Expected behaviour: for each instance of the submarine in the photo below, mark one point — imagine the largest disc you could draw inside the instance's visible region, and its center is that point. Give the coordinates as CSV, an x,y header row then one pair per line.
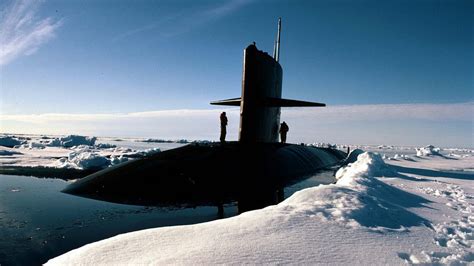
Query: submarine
x,y
252,171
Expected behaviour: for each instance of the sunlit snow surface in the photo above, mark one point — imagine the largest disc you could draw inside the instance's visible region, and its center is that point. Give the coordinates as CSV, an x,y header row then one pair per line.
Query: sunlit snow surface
x,y
389,208
73,152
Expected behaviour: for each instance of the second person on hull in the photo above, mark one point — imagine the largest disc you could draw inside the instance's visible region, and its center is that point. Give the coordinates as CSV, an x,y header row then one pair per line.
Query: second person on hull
x,y
283,131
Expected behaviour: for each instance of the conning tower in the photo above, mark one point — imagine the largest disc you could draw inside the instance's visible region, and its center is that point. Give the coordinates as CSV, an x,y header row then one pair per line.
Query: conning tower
x,y
261,101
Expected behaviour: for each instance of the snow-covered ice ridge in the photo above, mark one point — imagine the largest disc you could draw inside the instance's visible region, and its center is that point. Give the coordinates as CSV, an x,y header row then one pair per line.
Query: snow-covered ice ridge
x,y
65,152
376,213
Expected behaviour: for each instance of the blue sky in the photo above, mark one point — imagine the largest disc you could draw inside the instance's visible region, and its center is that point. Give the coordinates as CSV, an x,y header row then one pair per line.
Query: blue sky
x,y
108,57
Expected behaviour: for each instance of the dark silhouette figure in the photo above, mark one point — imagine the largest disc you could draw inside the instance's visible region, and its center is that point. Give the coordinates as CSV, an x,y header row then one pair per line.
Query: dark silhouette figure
x,y
223,127
283,131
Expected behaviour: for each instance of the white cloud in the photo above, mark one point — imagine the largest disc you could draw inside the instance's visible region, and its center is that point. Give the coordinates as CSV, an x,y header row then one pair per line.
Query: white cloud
x,y
405,124
22,32
186,20
431,112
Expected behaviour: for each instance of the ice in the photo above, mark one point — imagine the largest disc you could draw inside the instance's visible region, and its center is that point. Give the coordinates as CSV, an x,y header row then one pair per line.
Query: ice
x,y
31,145
429,150
397,157
66,142
122,150
368,165
74,140
385,147
83,159
66,152
114,160
105,146
322,145
87,157
144,152
8,141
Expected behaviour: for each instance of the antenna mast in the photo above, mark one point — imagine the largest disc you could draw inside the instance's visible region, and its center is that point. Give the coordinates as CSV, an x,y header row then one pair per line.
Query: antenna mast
x,y
276,47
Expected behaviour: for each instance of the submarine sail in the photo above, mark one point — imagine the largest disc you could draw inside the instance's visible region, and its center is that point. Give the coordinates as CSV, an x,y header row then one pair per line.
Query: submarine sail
x,y
261,100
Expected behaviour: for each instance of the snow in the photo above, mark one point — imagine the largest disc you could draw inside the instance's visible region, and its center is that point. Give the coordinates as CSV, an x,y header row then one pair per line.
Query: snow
x,y
74,140
66,152
84,157
366,167
66,142
408,211
429,150
105,146
31,145
323,145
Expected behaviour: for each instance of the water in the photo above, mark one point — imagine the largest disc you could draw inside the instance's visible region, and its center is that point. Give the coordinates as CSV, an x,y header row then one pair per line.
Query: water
x,y
38,222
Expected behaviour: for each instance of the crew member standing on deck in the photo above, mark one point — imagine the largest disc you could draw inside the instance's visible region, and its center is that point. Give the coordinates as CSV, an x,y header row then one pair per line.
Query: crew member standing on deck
x,y
223,127
283,131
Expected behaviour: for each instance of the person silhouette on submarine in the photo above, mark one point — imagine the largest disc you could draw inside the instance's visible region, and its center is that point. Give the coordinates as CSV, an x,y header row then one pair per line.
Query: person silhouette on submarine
x,y
283,131
223,118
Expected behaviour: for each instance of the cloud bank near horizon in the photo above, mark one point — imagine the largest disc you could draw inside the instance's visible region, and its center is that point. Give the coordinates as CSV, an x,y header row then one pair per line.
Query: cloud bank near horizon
x,y
22,32
397,124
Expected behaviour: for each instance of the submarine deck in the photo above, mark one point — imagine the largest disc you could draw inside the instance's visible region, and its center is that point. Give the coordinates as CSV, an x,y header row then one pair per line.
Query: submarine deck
x,y
205,173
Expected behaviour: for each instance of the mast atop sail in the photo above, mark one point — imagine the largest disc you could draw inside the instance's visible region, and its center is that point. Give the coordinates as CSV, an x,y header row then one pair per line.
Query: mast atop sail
x,y
276,47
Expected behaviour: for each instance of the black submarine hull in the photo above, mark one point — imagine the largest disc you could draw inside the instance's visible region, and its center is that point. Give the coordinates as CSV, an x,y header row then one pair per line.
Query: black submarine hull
x,y
205,174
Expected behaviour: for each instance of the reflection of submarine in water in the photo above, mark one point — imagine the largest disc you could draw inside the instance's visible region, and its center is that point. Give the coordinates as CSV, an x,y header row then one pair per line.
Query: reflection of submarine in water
x,y
249,171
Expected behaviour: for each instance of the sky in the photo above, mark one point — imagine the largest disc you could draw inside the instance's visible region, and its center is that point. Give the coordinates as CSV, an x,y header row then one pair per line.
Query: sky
x,y
108,61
